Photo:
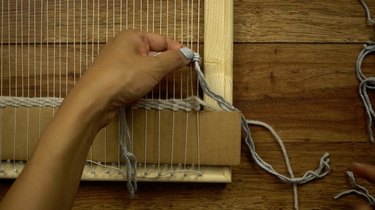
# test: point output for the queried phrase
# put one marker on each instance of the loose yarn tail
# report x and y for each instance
(322, 170)
(130, 159)
(370, 21)
(357, 189)
(310, 175)
(365, 84)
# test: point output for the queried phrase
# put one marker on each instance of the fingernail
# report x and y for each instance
(187, 52)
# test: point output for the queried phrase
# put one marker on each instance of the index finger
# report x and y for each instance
(366, 171)
(160, 43)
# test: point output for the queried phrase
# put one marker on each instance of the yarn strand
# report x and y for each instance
(366, 83)
(356, 189)
(310, 175)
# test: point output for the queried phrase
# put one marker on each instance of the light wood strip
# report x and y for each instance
(211, 174)
(218, 54)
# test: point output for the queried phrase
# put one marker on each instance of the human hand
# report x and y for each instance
(367, 172)
(124, 71)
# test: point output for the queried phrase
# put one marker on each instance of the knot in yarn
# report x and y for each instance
(196, 57)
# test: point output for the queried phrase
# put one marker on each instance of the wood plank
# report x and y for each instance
(151, 173)
(218, 58)
(299, 21)
(307, 92)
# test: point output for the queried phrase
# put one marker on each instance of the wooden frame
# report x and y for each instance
(218, 50)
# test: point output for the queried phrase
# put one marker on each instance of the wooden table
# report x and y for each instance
(294, 69)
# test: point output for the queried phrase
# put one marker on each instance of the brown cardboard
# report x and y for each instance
(219, 136)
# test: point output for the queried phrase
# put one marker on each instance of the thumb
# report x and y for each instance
(171, 60)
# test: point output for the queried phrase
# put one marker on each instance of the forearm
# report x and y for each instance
(52, 176)
(122, 73)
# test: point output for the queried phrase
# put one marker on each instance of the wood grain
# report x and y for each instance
(218, 58)
(52, 70)
(308, 91)
(301, 21)
(310, 123)
(81, 21)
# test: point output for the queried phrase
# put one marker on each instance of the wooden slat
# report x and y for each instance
(210, 174)
(218, 54)
(301, 21)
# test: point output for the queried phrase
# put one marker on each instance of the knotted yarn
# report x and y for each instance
(366, 83)
(356, 189)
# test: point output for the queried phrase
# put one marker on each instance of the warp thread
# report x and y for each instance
(357, 189)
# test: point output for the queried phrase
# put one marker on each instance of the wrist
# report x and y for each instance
(88, 104)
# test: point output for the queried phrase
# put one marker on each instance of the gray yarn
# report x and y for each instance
(366, 83)
(30, 102)
(310, 175)
(370, 21)
(357, 189)
(188, 104)
(130, 159)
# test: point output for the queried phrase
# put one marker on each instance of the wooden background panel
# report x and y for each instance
(52, 70)
(308, 92)
(77, 21)
(301, 21)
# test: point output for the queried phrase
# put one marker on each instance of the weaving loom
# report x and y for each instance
(46, 45)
